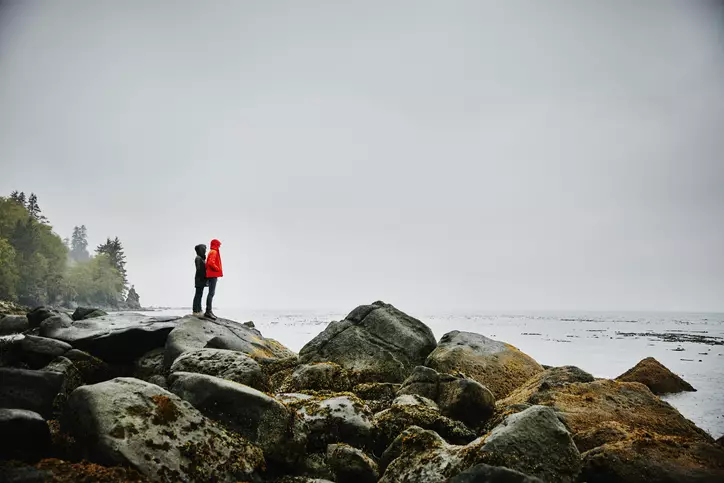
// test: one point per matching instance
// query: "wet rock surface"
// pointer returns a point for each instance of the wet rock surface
(130, 422)
(535, 442)
(257, 417)
(28, 389)
(25, 435)
(116, 338)
(375, 343)
(351, 465)
(654, 375)
(498, 366)
(457, 397)
(226, 364)
(193, 333)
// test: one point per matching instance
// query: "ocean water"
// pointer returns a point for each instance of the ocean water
(603, 344)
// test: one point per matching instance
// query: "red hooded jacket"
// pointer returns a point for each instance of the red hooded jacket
(213, 261)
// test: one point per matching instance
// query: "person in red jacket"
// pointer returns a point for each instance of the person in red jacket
(214, 271)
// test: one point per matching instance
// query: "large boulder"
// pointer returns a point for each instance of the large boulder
(130, 422)
(496, 365)
(457, 397)
(376, 343)
(149, 368)
(82, 313)
(332, 418)
(654, 375)
(654, 460)
(535, 442)
(39, 314)
(406, 412)
(226, 364)
(25, 435)
(483, 473)
(193, 333)
(419, 455)
(117, 338)
(28, 389)
(259, 418)
(13, 324)
(37, 352)
(351, 465)
(589, 407)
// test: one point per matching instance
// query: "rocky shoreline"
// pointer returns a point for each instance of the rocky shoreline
(374, 397)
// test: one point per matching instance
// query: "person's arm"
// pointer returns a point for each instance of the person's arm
(200, 268)
(213, 261)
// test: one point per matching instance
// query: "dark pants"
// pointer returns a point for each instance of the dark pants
(210, 295)
(197, 299)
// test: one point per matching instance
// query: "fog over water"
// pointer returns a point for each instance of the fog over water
(437, 155)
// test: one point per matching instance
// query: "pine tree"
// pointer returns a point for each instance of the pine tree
(114, 250)
(34, 209)
(18, 197)
(79, 244)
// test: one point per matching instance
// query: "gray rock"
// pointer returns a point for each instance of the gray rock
(39, 351)
(71, 380)
(149, 367)
(39, 314)
(92, 369)
(393, 421)
(25, 435)
(130, 422)
(375, 343)
(415, 400)
(13, 324)
(341, 418)
(351, 465)
(656, 377)
(322, 376)
(377, 395)
(483, 473)
(496, 365)
(419, 455)
(57, 321)
(226, 364)
(28, 389)
(117, 338)
(534, 442)
(257, 417)
(458, 397)
(193, 333)
(82, 313)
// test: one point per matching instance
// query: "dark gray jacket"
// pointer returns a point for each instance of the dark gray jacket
(200, 261)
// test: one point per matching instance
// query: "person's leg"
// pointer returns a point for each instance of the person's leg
(197, 299)
(210, 295)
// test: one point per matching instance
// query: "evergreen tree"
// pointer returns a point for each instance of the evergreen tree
(18, 197)
(79, 244)
(34, 209)
(114, 250)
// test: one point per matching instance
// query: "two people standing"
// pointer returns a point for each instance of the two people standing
(208, 271)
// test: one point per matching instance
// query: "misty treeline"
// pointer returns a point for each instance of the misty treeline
(37, 267)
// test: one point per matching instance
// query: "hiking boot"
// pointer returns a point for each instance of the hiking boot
(210, 315)
(198, 314)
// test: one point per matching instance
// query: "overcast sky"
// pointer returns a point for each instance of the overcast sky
(435, 155)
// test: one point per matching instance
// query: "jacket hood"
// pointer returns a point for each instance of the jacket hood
(200, 250)
(215, 244)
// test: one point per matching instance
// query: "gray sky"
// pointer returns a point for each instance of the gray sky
(436, 155)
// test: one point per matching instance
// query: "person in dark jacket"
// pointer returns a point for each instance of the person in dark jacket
(214, 272)
(200, 278)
